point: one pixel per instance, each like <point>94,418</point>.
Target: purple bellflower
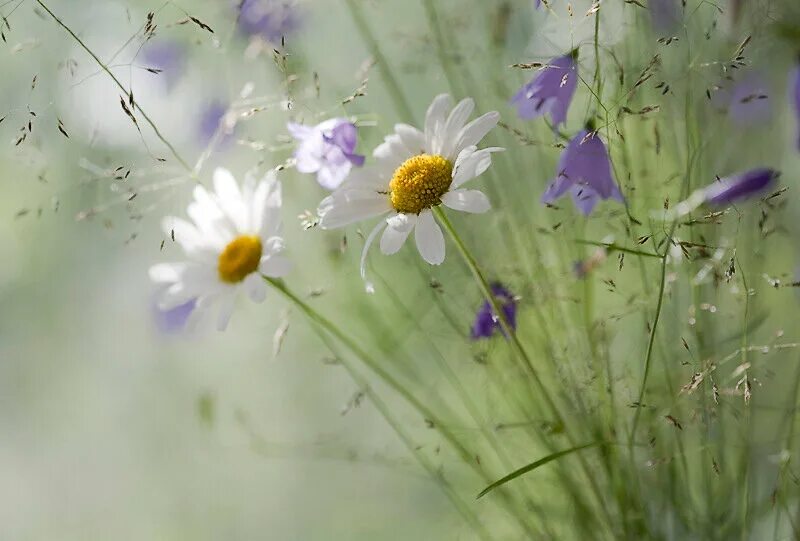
<point>664,15</point>
<point>584,170</point>
<point>735,188</point>
<point>167,58</point>
<point>550,91</point>
<point>211,120</point>
<point>746,99</point>
<point>173,321</point>
<point>486,322</point>
<point>327,149</point>
<point>269,19</point>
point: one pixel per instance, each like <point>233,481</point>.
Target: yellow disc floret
<point>239,258</point>
<point>419,183</point>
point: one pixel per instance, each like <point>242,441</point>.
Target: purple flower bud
<point>327,149</point>
<point>664,14</point>
<point>550,91</point>
<point>168,58</point>
<point>746,98</point>
<point>486,322</point>
<point>269,19</point>
<point>738,187</point>
<point>584,170</point>
<point>173,321</point>
<point>211,121</point>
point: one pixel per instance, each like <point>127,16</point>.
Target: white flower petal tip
<point>231,238</point>
<point>472,201</point>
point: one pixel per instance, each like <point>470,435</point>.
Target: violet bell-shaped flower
<point>584,170</point>
<point>550,91</point>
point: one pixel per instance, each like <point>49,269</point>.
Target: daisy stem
<point>327,326</point>
<point>509,332</point>
<point>127,92</point>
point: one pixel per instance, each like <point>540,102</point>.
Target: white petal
<point>368,178</point>
<point>429,237</point>
<point>370,239</point>
<point>167,273</point>
<point>344,208</point>
<point>266,206</point>
<point>275,266</point>
<point>412,138</point>
<point>230,198</point>
<point>473,201</point>
<point>472,133</point>
<point>255,287</point>
<point>226,305</point>
<point>472,163</point>
<point>434,122</point>
<point>395,235</point>
<point>455,122</point>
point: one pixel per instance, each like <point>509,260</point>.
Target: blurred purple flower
<point>738,187</point>
<point>211,120</point>
<point>746,99</point>
<point>664,14</point>
<point>794,93</point>
<point>486,322</point>
<point>167,57</point>
<point>550,91</point>
<point>327,149</point>
<point>585,170</point>
<point>173,321</point>
<point>269,19</point>
<point>537,4</point>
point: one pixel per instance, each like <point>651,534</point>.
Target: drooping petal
<point>255,287</point>
<point>473,201</point>
<point>472,163</point>
<point>225,307</point>
<point>350,207</point>
<point>429,238</point>
<point>367,244</point>
<point>398,228</point>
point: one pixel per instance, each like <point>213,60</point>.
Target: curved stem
<point>325,324</point>
<point>106,69</point>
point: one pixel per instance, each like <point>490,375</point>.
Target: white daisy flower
<point>415,172</point>
<point>232,240</point>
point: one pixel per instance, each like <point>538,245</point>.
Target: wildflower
<point>416,171</point>
<point>270,20</point>
<point>327,149</point>
<point>550,91</point>
<point>486,321</point>
<point>738,187</point>
<point>213,119</point>
<point>585,171</point>
<point>794,94</point>
<point>168,59</point>
<point>746,99</point>
<point>537,4</point>
<point>664,14</point>
<point>175,319</point>
<point>231,241</point>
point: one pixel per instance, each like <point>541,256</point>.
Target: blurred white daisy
<point>231,241</point>
<point>414,172</point>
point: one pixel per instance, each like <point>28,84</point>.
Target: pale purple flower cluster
<point>327,149</point>
<point>734,188</point>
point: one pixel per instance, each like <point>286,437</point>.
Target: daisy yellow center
<point>419,183</point>
<point>239,258</point>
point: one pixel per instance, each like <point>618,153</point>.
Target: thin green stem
<point>393,87</point>
<point>325,324</point>
<point>106,69</point>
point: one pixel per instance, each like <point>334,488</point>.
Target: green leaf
<point>533,465</point>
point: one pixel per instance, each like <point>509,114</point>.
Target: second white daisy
<point>414,172</point>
